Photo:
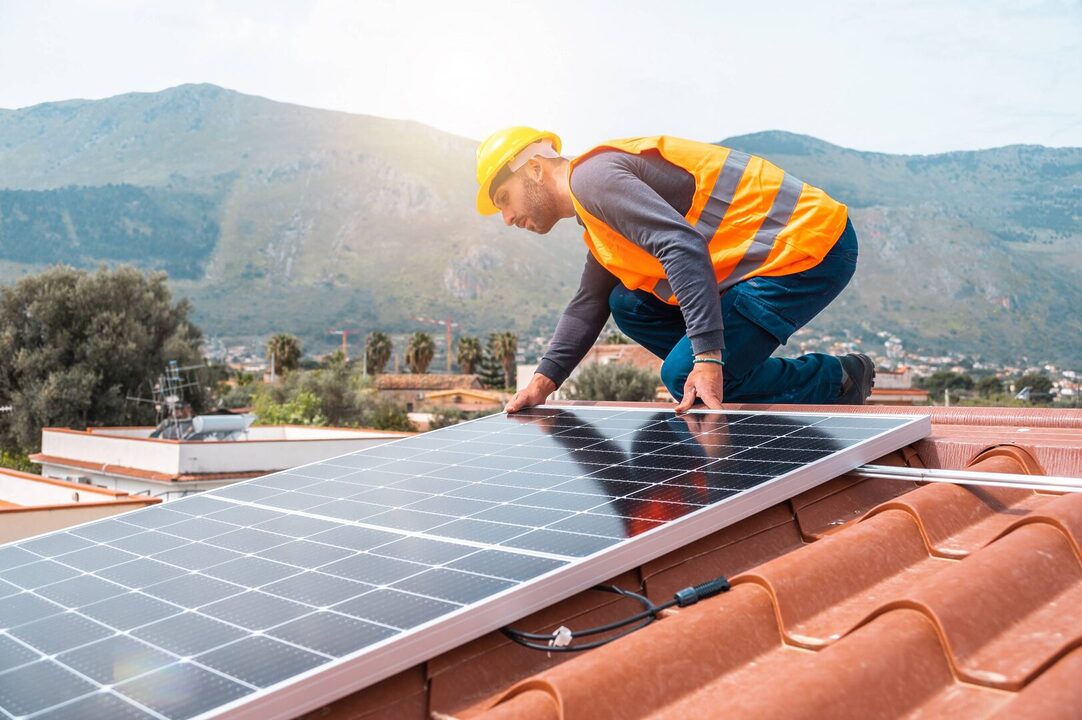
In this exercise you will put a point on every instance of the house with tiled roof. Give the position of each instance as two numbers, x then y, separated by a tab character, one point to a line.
869	596
410	389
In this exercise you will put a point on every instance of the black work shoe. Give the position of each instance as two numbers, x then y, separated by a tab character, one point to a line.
859	379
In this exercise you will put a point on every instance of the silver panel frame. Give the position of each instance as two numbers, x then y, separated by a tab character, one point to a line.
331	681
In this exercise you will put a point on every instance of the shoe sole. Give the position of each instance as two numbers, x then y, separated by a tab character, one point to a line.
867	380
869	377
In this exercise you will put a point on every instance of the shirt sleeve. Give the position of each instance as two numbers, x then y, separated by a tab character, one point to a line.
581	323
619	189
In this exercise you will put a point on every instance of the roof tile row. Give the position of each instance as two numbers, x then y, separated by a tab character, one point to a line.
942	600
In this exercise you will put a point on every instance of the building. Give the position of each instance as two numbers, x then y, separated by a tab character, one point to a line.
466	400
410	389
128	459
870	598
32	504
896	388
628	353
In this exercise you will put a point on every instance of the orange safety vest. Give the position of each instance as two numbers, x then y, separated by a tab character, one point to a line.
755	218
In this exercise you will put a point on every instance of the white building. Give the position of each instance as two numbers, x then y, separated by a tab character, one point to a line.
31	504
129	460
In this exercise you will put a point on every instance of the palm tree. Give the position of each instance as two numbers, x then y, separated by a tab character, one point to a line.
419	352
378	349
469	354
505	346
284	353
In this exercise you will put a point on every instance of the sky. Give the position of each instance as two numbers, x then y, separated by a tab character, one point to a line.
915	76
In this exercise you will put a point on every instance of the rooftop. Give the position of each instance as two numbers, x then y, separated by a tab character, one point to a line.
426	381
871	597
113	456
32	504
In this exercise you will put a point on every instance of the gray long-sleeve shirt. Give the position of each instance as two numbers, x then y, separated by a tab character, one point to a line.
644	198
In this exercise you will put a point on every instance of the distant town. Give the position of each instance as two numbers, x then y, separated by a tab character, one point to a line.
899	368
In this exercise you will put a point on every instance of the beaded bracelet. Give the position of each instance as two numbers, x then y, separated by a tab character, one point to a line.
716	361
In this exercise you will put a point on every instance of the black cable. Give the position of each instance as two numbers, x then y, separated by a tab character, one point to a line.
687	596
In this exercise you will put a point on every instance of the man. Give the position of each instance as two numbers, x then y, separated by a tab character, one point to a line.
708	257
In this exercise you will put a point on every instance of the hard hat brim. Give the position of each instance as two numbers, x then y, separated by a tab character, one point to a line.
485	206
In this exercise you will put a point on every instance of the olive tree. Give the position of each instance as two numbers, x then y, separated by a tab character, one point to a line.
74	345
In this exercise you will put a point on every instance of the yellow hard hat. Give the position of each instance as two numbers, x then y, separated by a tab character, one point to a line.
494	155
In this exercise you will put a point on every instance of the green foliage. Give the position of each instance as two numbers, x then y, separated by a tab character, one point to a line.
491	372
344	399
504	347
378	349
942	380
989	386
613	381
301	409
1040	387
235	396
381	414
616	338
284	352
419	352
18	461
156	228
469	354
75	345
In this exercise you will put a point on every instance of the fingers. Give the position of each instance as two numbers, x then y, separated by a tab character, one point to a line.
711	400
516	403
688	399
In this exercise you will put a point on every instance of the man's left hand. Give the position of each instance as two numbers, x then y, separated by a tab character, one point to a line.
704	383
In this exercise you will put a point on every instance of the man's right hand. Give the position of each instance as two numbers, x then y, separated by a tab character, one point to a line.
536	393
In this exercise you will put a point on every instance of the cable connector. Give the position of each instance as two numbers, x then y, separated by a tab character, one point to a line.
692	595
561	638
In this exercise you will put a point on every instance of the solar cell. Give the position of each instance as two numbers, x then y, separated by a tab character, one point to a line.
383	558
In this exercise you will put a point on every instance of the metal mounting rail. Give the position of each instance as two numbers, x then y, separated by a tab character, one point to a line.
1041	483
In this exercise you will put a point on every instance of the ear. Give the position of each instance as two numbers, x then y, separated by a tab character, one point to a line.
535	170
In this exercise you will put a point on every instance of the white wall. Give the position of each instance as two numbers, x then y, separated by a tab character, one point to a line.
295	446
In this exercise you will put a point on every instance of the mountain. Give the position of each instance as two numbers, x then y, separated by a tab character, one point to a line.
978	252
276	217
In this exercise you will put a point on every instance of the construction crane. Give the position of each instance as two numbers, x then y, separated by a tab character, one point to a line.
345	340
448	324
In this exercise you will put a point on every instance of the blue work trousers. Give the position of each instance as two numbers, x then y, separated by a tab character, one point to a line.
760	314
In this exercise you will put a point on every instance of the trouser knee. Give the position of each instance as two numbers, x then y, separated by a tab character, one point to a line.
673	375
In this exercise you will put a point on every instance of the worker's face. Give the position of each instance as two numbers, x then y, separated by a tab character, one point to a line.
526	202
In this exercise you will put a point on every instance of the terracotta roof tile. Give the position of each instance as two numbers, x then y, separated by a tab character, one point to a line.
1055	695
873	598
426	381
861	598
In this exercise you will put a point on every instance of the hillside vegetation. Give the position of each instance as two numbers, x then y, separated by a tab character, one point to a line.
276	217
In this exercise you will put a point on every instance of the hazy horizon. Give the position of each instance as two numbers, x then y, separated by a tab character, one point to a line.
925	78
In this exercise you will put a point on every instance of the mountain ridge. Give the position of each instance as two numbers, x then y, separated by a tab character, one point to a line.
323	219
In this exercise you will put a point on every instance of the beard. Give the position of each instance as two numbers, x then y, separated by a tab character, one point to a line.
540	206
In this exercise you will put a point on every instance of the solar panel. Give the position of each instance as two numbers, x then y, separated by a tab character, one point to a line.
276	595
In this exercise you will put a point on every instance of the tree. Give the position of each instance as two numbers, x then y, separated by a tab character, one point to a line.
613	381
942	380
302	409
419	351
504	347
284	353
74	345
469	354
1040	387
378	349
616	338
491	373
989	386
342	398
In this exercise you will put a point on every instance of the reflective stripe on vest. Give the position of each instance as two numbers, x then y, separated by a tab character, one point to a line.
755	218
